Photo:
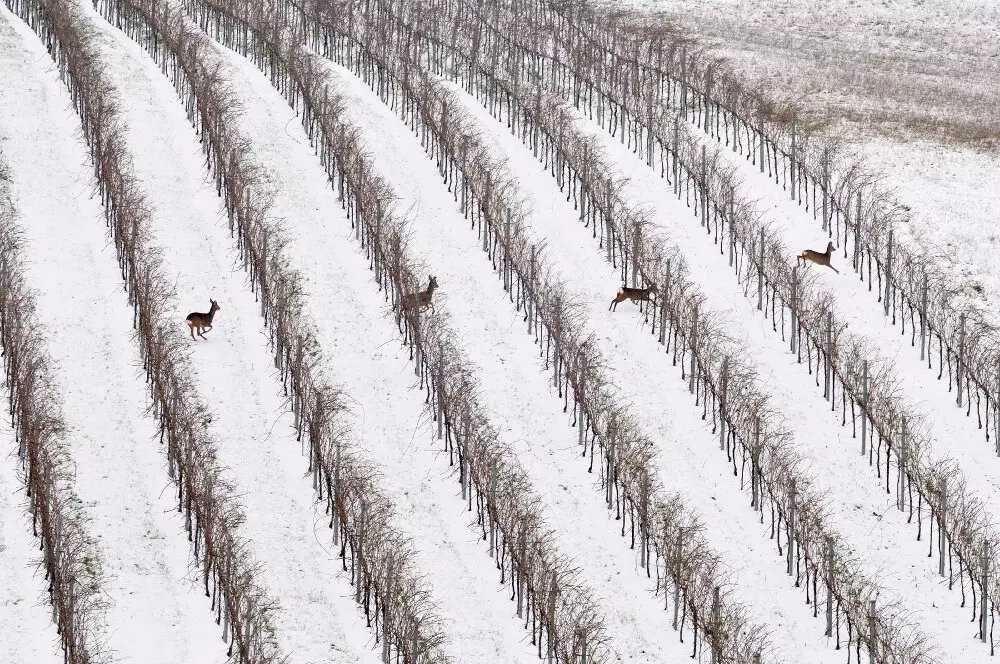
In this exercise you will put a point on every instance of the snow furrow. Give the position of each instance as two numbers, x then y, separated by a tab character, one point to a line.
478	621
317	619
956	433
880	538
155	613
489	329
25	616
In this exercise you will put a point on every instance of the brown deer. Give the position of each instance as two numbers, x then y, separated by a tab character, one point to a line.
421	300
202	322
817	257
635	294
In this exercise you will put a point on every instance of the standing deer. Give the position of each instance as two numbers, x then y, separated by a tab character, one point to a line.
818	258
635	294
202	322
421	300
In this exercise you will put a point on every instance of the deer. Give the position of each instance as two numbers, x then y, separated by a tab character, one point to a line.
421	300
817	257
202	322
635	294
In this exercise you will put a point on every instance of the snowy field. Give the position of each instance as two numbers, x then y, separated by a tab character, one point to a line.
910	86
155	610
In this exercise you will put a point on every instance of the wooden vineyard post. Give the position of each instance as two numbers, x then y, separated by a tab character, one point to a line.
484	215
732	224
923	318
760	273
864	408
857	236
871	632
644	522
636	246
440	395
663	304
704	185
360	560
794	308
611	468
607	223
826	185
716	620
763	146
694	347
827	394
385	613
677	578
582	421
790	543
901	484
792	174
996	411
529	301
520	566
506	255
984	595
722	403
755	460
677	157
942	527
829	586
493	497
961	360
888	276
336	496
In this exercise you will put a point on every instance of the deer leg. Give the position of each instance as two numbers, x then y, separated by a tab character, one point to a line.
834	269
191	328
201	331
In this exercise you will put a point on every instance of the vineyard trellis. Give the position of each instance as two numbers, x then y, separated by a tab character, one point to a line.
205	496
70	557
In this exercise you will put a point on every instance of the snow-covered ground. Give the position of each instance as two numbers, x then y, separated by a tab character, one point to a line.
359	336
157	614
155	611
953	200
881	541
317	619
25	615
900	67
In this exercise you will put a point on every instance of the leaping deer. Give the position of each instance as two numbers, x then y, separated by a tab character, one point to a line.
421	300
635	294
817	257
202	322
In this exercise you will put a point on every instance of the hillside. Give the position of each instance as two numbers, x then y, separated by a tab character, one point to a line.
418	427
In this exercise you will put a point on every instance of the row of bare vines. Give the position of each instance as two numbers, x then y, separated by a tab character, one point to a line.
891	430
499	96
69	554
867	382
418	101
565	622
388	583
630	65
205	495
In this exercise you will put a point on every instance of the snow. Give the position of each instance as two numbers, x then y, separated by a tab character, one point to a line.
952	199
878	536
24	610
883	545
317	619
157	612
